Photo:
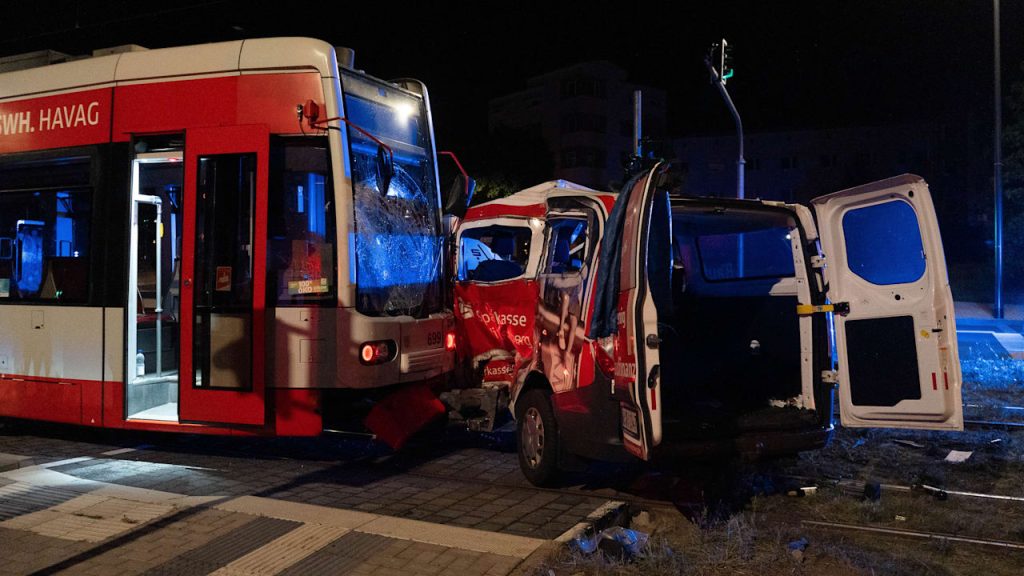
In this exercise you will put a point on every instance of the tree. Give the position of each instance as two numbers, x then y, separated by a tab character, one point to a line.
509	160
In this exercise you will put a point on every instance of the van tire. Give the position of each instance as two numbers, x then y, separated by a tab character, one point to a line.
537	438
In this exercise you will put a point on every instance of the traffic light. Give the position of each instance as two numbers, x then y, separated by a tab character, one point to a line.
725	70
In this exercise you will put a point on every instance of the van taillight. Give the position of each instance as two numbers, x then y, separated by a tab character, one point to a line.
605	358
449	340
378	352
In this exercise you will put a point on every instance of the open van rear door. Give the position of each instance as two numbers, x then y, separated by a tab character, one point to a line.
894	326
645	265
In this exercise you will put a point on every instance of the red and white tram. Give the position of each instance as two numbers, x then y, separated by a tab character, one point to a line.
215	238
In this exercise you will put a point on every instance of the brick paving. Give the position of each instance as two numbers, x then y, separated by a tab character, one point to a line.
470	487
26	552
110	504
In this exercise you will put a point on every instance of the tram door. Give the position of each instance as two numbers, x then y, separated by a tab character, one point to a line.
151	372
223	288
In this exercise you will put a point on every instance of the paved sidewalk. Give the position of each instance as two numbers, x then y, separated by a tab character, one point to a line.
976	326
56	523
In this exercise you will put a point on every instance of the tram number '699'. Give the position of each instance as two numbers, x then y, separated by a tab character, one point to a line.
435	339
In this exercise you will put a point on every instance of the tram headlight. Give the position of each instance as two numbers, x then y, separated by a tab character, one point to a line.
377	352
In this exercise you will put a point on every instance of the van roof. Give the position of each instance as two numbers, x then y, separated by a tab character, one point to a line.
533	201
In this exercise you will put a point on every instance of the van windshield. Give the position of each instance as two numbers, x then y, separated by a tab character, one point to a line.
494	253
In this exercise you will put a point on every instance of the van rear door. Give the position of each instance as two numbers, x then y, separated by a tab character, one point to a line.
644	266
895	331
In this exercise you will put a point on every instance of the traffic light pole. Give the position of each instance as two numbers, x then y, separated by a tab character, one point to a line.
740	162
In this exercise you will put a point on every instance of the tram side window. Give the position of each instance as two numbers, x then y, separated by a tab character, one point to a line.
494	253
301	227
45	213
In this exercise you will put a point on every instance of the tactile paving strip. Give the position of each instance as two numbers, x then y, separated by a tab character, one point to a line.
223	550
340	556
19	499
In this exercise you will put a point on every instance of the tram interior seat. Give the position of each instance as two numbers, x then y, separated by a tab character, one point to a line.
65	279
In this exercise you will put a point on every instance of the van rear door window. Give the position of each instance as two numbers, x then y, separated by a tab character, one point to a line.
883	243
494	253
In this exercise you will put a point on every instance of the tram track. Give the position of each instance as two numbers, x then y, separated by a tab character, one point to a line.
885	531
923	489
991	424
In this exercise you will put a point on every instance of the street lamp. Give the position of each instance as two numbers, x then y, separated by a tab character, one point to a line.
998	168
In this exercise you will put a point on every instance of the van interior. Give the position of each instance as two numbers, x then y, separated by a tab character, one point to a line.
726	295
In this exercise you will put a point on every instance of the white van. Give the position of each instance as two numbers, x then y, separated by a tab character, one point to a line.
660	326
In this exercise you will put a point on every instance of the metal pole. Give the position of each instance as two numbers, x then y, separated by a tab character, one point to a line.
159	308
740	162
638	119
998	168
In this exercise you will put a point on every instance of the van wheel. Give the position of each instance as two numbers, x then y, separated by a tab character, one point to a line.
537	435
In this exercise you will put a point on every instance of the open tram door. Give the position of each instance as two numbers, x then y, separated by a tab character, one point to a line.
223	288
895	333
644	284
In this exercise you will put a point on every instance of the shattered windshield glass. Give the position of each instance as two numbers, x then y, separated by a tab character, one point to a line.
398	241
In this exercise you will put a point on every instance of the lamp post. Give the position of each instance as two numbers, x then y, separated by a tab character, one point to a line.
998	168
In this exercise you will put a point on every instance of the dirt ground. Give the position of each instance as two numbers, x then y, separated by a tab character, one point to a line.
751	519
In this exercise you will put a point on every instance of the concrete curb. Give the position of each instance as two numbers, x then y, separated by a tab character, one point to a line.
611	513
608	514
11	461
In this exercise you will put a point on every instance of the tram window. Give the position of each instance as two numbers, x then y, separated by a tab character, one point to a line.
301	261
45	213
494	253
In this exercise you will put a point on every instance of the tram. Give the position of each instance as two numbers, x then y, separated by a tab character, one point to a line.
216	238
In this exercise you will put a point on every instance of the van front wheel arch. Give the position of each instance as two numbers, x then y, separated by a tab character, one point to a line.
537	437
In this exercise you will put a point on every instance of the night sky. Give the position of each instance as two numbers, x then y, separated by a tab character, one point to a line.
798	64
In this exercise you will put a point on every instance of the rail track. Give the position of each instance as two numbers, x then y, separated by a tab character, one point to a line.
911	534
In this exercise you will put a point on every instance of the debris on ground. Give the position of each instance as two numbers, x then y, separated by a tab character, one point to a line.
615	542
796	549
908	443
958	456
872	491
938	493
803	491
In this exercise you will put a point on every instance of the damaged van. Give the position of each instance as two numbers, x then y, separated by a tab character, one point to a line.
657	326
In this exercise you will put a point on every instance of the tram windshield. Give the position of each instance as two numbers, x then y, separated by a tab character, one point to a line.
397	264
